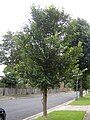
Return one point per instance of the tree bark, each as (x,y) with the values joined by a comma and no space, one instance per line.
(4,90)
(81,88)
(45,102)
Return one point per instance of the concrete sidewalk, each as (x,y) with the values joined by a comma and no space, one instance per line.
(87,116)
(65,106)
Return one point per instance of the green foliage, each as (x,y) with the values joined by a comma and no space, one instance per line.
(7,49)
(46,64)
(42,53)
(47,21)
(8,57)
(9,80)
(46,45)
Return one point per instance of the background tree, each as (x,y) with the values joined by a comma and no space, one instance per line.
(9,57)
(81,32)
(7,48)
(86,82)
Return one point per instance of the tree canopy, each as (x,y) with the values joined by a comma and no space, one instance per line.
(46,56)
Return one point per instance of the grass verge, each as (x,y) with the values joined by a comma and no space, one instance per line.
(82,101)
(87,95)
(64,115)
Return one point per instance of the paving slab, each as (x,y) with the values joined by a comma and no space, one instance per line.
(87,116)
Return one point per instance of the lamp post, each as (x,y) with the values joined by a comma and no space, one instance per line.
(77,92)
(77,89)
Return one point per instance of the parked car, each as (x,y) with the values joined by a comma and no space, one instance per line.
(2,114)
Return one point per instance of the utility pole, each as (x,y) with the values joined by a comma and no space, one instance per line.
(77,95)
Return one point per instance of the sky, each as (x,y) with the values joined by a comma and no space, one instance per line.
(14,14)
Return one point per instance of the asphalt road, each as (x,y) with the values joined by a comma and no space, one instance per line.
(20,108)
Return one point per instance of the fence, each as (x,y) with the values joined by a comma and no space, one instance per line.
(23,91)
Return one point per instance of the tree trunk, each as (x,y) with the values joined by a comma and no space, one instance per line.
(81,88)
(45,102)
(4,90)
